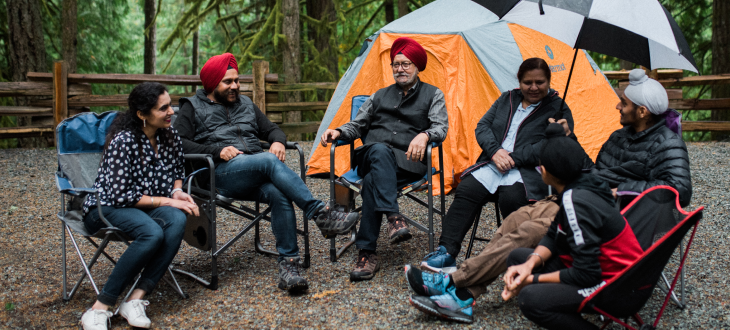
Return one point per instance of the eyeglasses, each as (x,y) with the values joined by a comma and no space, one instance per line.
(404,65)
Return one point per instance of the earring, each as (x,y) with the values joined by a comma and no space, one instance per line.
(144,122)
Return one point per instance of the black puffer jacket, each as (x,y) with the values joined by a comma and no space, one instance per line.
(493,127)
(635,162)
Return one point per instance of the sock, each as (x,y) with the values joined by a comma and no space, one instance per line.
(463,293)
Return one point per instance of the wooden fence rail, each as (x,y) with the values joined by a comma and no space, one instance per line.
(58,95)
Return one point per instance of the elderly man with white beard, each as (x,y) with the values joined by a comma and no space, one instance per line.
(399,120)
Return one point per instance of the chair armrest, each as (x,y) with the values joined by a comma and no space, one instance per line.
(64,186)
(288,145)
(343,142)
(210,165)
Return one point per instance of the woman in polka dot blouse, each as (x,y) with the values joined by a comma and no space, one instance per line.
(139,183)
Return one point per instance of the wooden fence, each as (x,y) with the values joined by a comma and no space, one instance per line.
(60,94)
(673,81)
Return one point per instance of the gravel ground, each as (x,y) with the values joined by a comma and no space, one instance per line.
(30,267)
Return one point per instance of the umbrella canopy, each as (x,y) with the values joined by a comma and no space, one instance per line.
(640,31)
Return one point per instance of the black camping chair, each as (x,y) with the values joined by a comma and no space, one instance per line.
(80,146)
(660,225)
(344,189)
(201,232)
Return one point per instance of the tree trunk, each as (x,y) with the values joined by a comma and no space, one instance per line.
(319,9)
(68,36)
(150,38)
(720,59)
(292,70)
(403,9)
(26,52)
(389,13)
(196,52)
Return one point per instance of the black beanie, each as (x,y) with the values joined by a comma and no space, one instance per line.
(562,156)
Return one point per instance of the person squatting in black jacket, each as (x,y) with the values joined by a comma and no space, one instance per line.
(588,242)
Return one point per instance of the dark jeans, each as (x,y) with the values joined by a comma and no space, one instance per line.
(157,234)
(470,197)
(265,178)
(550,305)
(381,179)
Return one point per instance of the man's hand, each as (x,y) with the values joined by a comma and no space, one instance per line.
(503,160)
(563,122)
(329,136)
(417,148)
(278,149)
(515,279)
(229,152)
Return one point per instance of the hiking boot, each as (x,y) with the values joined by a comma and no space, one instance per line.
(289,275)
(426,284)
(439,261)
(398,229)
(365,267)
(332,222)
(96,319)
(133,311)
(447,306)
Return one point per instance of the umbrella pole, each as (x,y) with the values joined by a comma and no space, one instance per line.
(565,94)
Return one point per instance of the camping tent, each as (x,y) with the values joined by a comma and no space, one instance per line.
(472,58)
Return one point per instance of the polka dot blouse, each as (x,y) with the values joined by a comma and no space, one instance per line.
(125,176)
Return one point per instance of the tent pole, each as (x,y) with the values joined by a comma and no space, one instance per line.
(558,114)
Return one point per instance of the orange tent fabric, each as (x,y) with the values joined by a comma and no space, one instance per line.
(470,91)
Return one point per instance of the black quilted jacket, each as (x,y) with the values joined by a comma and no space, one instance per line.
(635,162)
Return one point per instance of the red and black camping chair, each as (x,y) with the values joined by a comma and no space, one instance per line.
(660,226)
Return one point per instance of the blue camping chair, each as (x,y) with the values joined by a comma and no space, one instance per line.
(80,140)
(343,190)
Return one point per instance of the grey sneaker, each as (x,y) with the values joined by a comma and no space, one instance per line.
(290,278)
(96,319)
(332,222)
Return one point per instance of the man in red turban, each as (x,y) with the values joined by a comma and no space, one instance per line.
(219,121)
(399,121)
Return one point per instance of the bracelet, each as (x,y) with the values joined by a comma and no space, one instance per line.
(172,193)
(152,201)
(542,261)
(534,278)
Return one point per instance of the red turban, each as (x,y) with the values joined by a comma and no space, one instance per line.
(411,49)
(215,69)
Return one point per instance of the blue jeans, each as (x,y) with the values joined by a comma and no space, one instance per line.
(380,182)
(265,178)
(157,234)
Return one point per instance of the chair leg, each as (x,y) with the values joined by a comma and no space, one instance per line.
(172,281)
(129,293)
(64,296)
(474,228)
(336,254)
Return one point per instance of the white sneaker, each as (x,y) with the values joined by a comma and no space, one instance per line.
(133,311)
(96,319)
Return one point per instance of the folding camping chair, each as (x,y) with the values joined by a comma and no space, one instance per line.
(80,141)
(201,231)
(351,182)
(475,227)
(660,225)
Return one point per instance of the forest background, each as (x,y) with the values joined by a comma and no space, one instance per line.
(304,41)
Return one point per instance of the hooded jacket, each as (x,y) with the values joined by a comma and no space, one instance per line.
(493,127)
(634,162)
(589,235)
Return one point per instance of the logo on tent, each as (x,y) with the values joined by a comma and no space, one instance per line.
(549,52)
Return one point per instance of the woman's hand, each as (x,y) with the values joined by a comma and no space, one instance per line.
(187,206)
(515,279)
(181,195)
(503,160)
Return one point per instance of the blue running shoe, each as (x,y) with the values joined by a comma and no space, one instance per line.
(426,284)
(439,261)
(447,306)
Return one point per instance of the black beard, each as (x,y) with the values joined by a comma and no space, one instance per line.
(223,98)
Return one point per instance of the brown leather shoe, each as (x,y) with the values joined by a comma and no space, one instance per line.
(366,266)
(398,229)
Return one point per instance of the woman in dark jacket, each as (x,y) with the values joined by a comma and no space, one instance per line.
(139,184)
(511,135)
(588,243)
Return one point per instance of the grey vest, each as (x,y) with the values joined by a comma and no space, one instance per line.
(217,125)
(396,120)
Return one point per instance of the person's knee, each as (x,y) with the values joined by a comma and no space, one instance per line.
(177,220)
(516,257)
(153,237)
(529,302)
(276,197)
